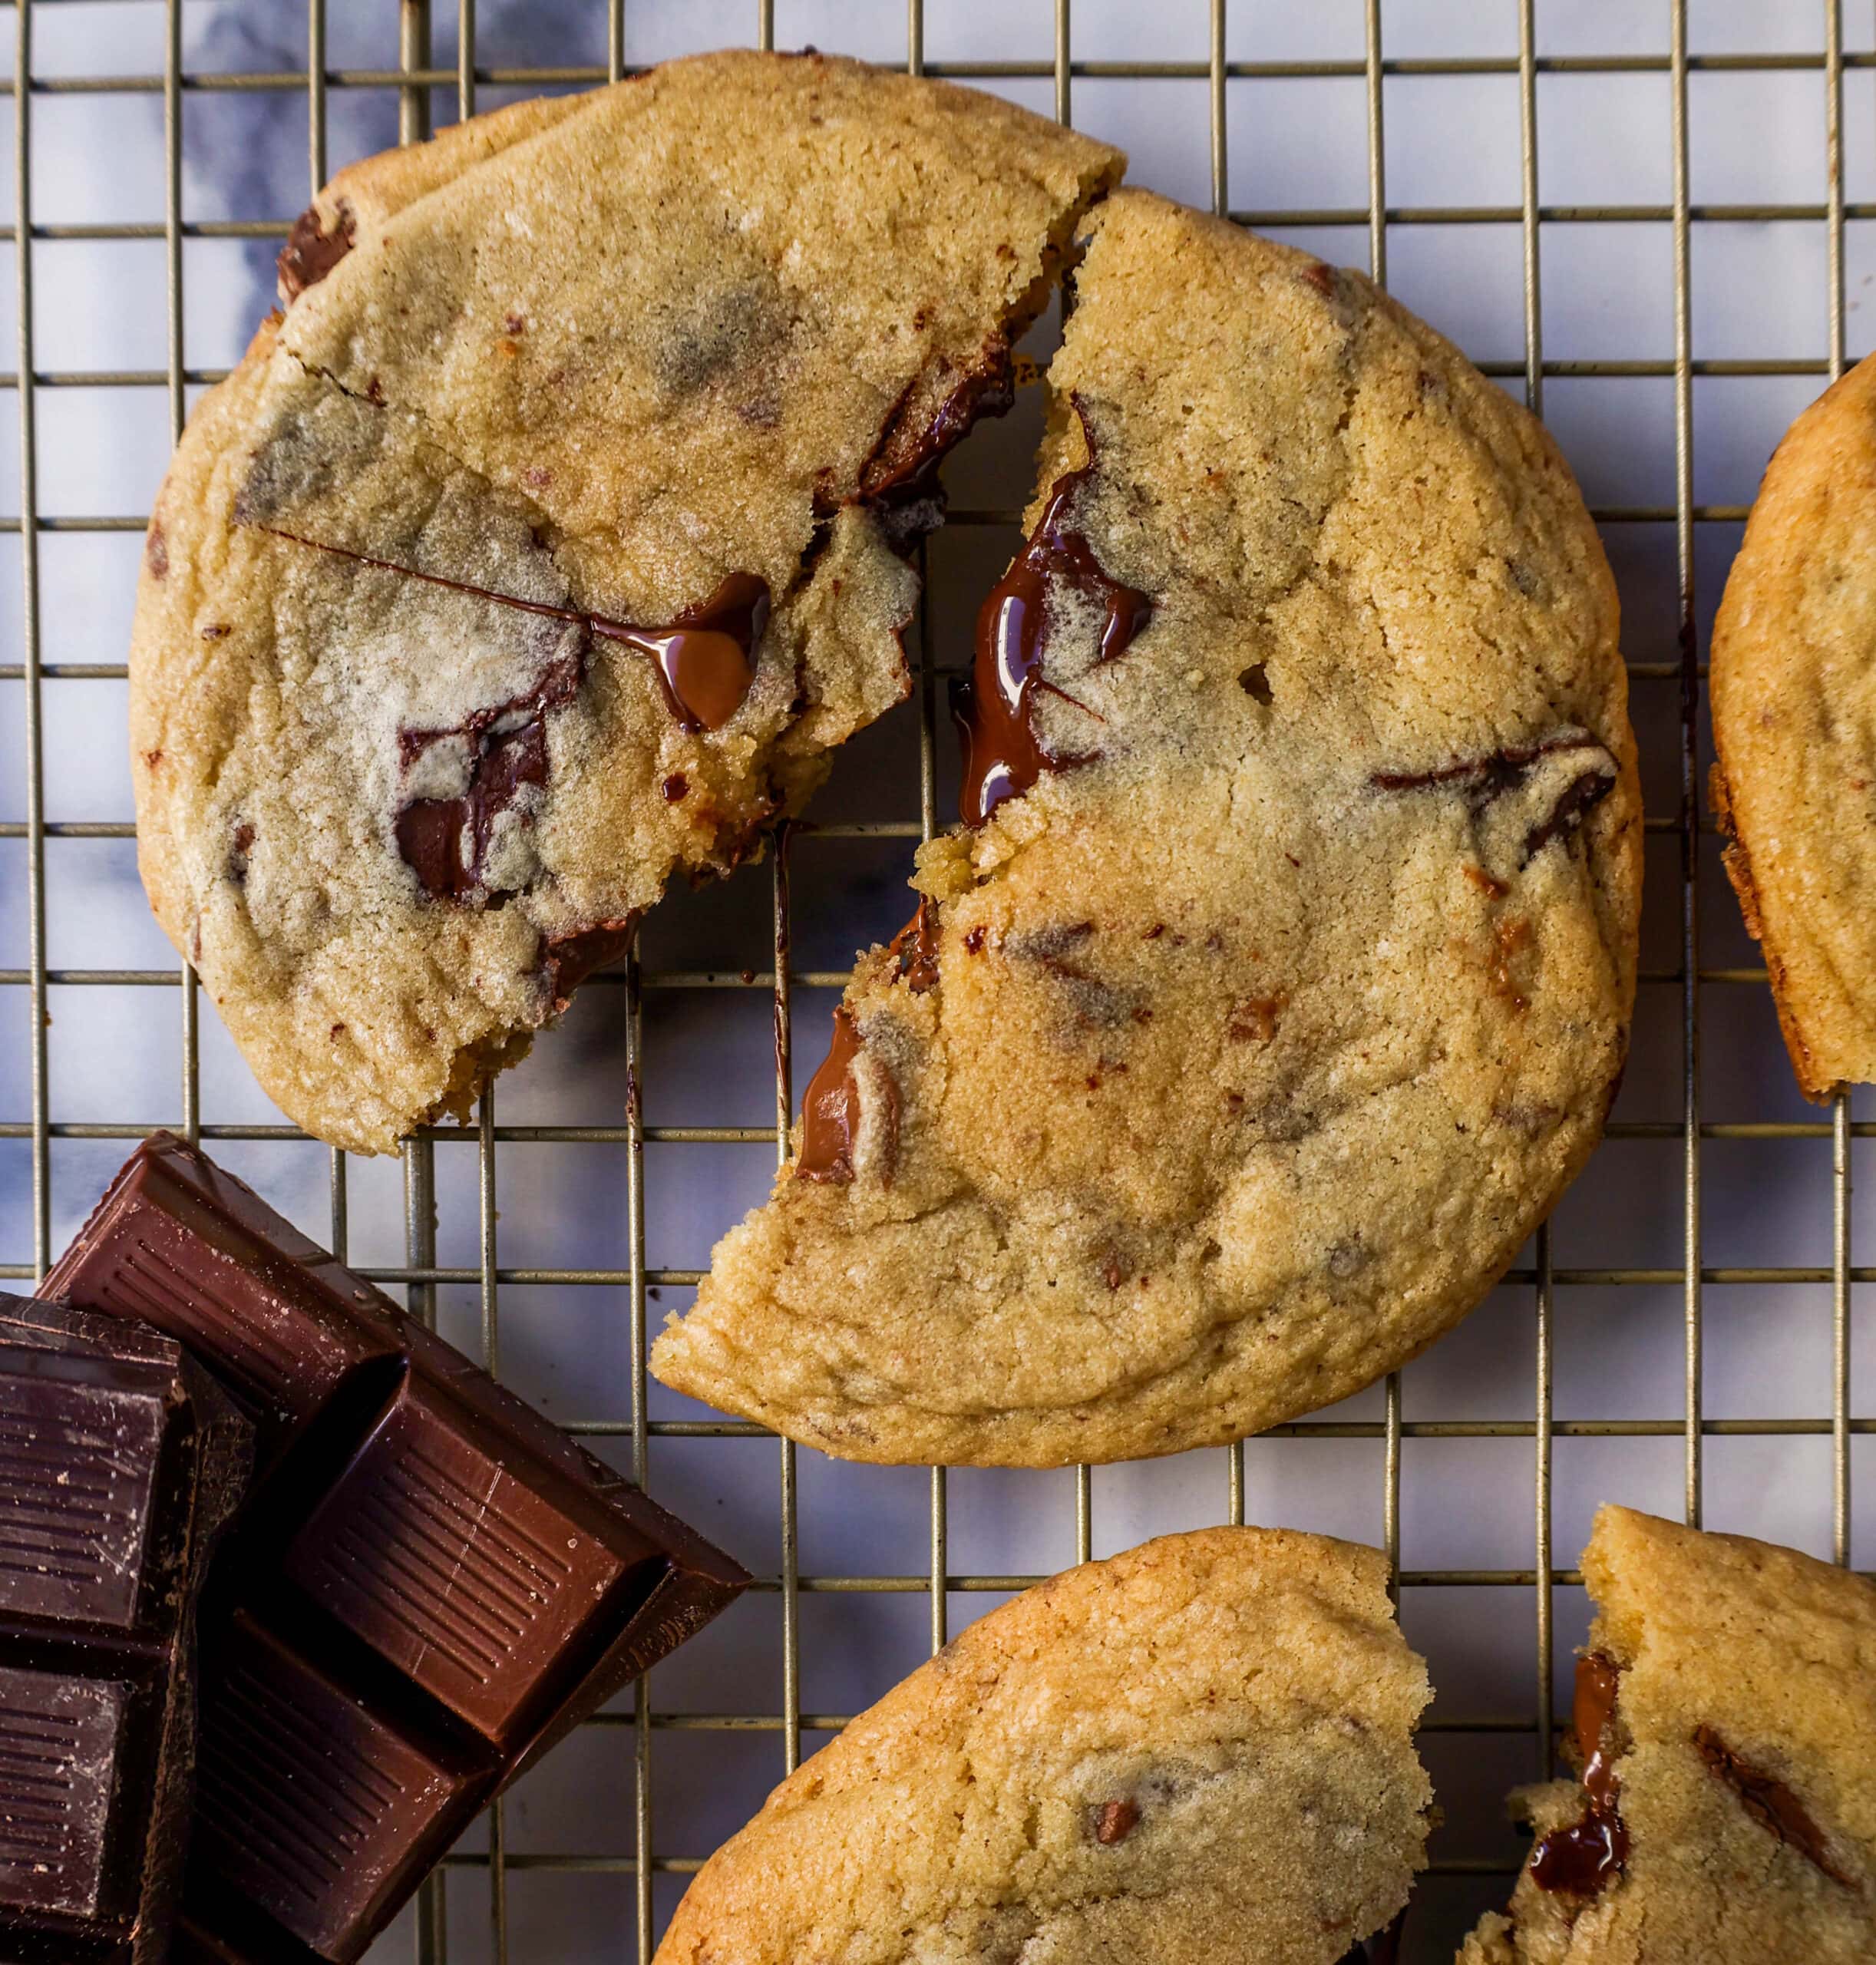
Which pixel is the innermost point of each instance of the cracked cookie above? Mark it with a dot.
(1725, 1731)
(549, 540)
(1793, 699)
(1202, 1748)
(1281, 979)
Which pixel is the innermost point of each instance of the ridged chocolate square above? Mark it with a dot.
(59, 1743)
(471, 1582)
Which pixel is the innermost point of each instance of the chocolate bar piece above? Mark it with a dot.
(430, 1584)
(121, 1460)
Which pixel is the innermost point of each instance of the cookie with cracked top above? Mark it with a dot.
(1202, 1748)
(1284, 980)
(544, 546)
(1793, 686)
(1725, 1734)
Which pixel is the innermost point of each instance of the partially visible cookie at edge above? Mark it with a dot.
(1793, 688)
(1726, 1739)
(1201, 1748)
(1286, 982)
(550, 540)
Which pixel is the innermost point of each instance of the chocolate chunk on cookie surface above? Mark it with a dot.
(546, 544)
(1282, 980)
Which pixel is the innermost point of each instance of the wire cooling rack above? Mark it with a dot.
(577, 1863)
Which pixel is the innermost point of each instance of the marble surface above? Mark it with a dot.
(114, 1052)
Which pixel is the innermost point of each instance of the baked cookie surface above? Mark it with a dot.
(1202, 1748)
(1286, 982)
(1726, 1729)
(1793, 686)
(544, 546)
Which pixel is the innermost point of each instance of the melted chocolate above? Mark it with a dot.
(445, 841)
(1383, 1948)
(831, 1111)
(1579, 798)
(1582, 1857)
(1487, 777)
(1769, 1802)
(569, 959)
(311, 251)
(915, 946)
(705, 657)
(1115, 1821)
(1003, 755)
(903, 468)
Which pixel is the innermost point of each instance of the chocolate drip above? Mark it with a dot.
(915, 946)
(831, 1111)
(311, 251)
(1003, 755)
(445, 841)
(1383, 1948)
(705, 657)
(1582, 1857)
(1769, 1802)
(903, 468)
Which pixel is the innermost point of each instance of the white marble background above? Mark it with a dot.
(1759, 291)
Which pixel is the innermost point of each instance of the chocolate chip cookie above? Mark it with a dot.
(1794, 700)
(548, 543)
(1725, 1737)
(1281, 979)
(1202, 1749)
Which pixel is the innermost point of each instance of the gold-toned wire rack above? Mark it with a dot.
(415, 80)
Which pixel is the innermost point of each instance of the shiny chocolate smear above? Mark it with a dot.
(705, 657)
(915, 948)
(902, 470)
(1384, 1948)
(1769, 1802)
(1003, 755)
(311, 251)
(445, 841)
(1581, 1857)
(831, 1111)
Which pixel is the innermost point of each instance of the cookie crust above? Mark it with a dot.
(1793, 683)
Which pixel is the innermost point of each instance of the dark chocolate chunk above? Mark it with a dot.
(1113, 1821)
(1583, 1857)
(830, 1109)
(430, 1585)
(121, 1460)
(1481, 780)
(1769, 1802)
(916, 947)
(903, 471)
(995, 709)
(569, 959)
(311, 251)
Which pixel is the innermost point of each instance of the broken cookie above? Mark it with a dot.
(1725, 1734)
(1279, 981)
(545, 546)
(1202, 1748)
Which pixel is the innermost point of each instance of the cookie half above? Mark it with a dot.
(547, 543)
(1725, 1729)
(1201, 1748)
(1284, 981)
(1793, 699)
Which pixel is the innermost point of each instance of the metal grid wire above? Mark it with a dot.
(414, 80)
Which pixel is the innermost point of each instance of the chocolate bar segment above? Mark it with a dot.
(121, 1460)
(431, 1584)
